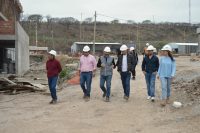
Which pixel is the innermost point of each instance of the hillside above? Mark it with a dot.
(64, 34)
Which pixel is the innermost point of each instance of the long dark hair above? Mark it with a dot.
(170, 55)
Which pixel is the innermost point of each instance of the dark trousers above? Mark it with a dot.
(52, 81)
(125, 77)
(85, 82)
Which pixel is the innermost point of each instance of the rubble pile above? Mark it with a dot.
(191, 88)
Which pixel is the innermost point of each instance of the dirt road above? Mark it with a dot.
(31, 113)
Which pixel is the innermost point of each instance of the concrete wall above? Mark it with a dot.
(22, 50)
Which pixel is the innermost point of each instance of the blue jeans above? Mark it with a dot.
(106, 79)
(52, 81)
(166, 87)
(125, 77)
(85, 82)
(150, 81)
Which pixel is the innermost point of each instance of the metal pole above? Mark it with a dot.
(81, 28)
(95, 15)
(36, 34)
(189, 11)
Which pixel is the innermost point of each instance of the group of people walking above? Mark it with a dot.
(126, 63)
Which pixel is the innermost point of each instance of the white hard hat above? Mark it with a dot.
(150, 48)
(155, 50)
(123, 47)
(52, 52)
(147, 44)
(107, 49)
(167, 48)
(132, 48)
(86, 48)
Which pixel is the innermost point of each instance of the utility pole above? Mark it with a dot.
(95, 16)
(81, 28)
(189, 11)
(52, 39)
(36, 34)
(138, 42)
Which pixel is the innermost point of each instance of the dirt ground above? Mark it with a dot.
(31, 113)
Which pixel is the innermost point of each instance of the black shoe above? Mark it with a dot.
(107, 99)
(104, 94)
(133, 78)
(84, 96)
(126, 97)
(87, 98)
(53, 102)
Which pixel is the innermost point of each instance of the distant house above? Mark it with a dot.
(78, 46)
(184, 48)
(14, 42)
(34, 50)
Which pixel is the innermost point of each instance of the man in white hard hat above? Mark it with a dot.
(145, 51)
(125, 67)
(150, 65)
(86, 69)
(134, 55)
(106, 64)
(53, 68)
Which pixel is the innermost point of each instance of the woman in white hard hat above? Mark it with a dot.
(150, 66)
(106, 64)
(166, 73)
(53, 68)
(86, 69)
(125, 67)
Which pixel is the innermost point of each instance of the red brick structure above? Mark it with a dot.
(14, 42)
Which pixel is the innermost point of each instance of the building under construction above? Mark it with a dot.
(14, 42)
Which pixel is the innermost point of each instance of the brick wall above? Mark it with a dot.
(7, 28)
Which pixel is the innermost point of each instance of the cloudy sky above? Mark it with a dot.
(137, 10)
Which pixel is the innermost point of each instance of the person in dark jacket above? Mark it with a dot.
(53, 68)
(134, 55)
(106, 64)
(125, 67)
(150, 65)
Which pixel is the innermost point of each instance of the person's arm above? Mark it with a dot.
(113, 62)
(59, 67)
(173, 68)
(94, 63)
(99, 63)
(157, 64)
(143, 64)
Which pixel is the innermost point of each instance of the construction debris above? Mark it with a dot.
(10, 87)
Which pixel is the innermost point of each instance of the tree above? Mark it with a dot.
(68, 21)
(130, 22)
(35, 17)
(49, 20)
(88, 20)
(147, 22)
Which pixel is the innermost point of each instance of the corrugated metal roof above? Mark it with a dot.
(184, 44)
(97, 43)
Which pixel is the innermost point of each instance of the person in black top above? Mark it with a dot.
(150, 65)
(134, 55)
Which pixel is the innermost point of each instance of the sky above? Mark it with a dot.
(108, 10)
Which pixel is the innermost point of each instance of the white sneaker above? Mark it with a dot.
(153, 99)
(149, 97)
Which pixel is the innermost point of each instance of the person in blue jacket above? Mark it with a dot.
(166, 73)
(150, 65)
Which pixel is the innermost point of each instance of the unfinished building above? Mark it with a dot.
(14, 42)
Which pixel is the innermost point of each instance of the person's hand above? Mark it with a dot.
(158, 77)
(154, 73)
(102, 65)
(144, 72)
(79, 72)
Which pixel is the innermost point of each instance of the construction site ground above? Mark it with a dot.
(32, 113)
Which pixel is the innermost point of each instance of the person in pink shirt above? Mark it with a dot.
(86, 69)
